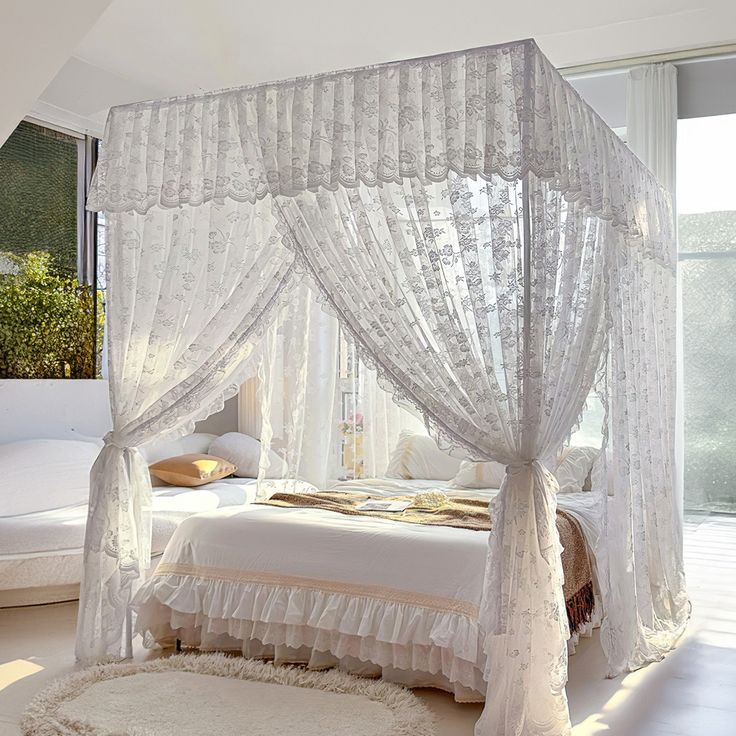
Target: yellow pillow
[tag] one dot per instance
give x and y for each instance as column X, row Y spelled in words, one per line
column 191, row 470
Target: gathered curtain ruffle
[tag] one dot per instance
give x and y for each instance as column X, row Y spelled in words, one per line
column 464, row 112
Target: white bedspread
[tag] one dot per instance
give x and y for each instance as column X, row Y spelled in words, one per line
column 402, row 596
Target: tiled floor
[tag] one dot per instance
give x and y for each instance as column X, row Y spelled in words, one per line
column 691, row 693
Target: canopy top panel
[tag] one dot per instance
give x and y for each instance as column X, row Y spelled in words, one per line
column 500, row 110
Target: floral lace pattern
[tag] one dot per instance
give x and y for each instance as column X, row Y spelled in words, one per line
column 646, row 582
column 430, row 281
column 188, row 292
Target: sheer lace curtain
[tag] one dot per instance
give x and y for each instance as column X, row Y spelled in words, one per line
column 438, row 292
column 651, row 133
column 645, row 396
column 188, row 291
column 648, row 607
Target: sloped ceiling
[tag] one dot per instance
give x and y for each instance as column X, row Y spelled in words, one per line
column 140, row 49
column 36, row 38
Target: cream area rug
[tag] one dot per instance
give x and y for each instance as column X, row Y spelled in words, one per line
column 195, row 694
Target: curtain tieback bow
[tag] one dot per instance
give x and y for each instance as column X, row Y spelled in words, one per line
column 112, row 439
column 519, row 465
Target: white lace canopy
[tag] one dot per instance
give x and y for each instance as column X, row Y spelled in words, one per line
column 501, row 110
column 488, row 242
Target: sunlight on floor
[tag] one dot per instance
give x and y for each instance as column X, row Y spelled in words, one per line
column 12, row 672
column 622, row 703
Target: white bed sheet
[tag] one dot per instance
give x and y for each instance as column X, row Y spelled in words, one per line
column 401, row 596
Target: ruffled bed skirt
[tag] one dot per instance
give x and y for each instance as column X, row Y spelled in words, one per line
column 413, row 645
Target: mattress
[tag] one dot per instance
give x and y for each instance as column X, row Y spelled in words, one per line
column 44, row 549
column 401, row 597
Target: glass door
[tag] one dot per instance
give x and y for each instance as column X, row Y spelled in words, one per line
column 706, row 204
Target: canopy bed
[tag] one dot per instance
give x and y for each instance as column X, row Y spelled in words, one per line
column 493, row 249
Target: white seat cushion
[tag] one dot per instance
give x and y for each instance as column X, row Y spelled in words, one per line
column 479, row 475
column 41, row 475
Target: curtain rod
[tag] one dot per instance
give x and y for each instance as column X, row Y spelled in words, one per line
column 702, row 53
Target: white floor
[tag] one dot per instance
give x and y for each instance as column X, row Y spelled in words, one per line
column 691, row 693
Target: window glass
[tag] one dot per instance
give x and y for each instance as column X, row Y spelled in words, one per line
column 706, row 205
column 38, row 196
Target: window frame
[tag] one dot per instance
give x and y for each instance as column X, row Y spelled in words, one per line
column 87, row 240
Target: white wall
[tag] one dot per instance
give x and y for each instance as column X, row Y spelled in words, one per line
column 65, row 409
column 59, row 409
column 223, row 421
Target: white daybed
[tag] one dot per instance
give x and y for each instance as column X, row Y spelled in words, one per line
column 41, row 551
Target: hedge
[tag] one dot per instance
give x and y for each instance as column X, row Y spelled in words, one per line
column 49, row 327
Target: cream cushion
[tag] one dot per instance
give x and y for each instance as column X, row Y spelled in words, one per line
column 191, row 470
column 244, row 452
column 479, row 475
column 573, row 471
column 418, row 456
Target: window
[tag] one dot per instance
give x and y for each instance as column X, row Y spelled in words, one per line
column 50, row 312
column 706, row 203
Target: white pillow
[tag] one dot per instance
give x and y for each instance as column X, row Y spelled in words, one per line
column 573, row 468
column 244, row 452
column 479, row 475
column 417, row 456
column 41, row 475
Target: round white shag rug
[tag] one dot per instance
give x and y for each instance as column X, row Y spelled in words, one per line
column 195, row 694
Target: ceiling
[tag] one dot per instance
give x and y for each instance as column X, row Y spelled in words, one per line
column 140, row 49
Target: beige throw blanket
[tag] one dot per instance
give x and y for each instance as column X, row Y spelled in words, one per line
column 466, row 513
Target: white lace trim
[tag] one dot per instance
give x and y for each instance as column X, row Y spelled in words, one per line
column 387, row 633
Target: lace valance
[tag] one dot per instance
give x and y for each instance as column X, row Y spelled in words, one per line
column 500, row 110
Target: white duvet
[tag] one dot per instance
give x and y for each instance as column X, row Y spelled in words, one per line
column 402, row 596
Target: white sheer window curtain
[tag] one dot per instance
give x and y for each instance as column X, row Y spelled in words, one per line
column 651, row 119
column 383, row 421
column 651, row 125
column 293, row 399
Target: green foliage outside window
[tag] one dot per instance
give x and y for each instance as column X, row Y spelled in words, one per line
column 50, row 325
column 38, row 195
